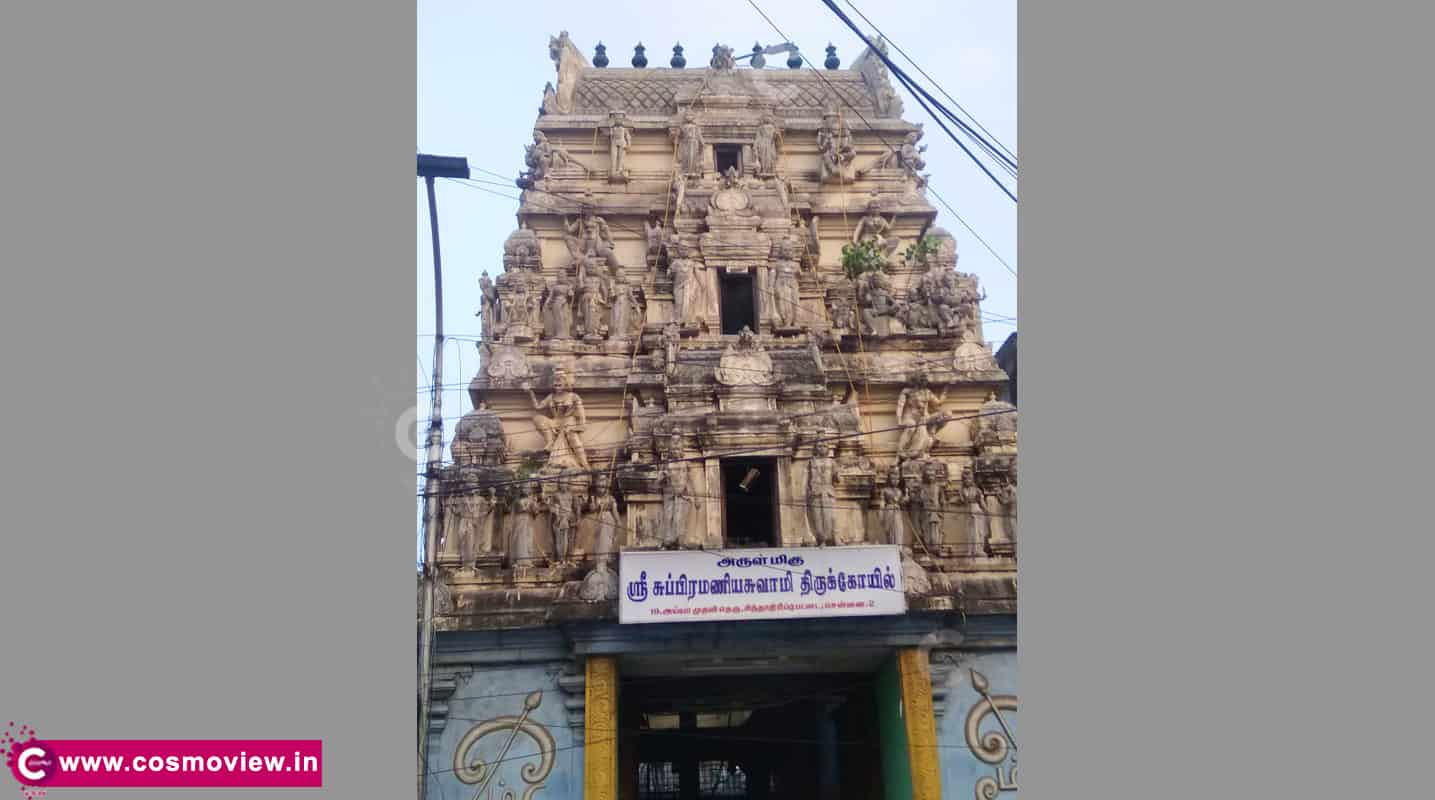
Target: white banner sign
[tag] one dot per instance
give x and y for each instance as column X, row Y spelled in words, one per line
column 771, row 583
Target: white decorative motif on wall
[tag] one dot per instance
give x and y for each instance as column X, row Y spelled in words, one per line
column 533, row 774
column 997, row 748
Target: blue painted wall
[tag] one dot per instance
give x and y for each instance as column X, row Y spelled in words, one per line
column 961, row 770
column 499, row 693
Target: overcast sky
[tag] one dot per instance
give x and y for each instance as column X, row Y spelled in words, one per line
column 481, row 71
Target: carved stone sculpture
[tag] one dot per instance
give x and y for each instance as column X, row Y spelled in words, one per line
column 931, row 502
column 619, row 139
column 722, row 57
column 521, row 251
column 907, row 156
column 569, row 62
column 1006, row 506
column 766, row 144
column 488, row 308
column 655, row 237
column 842, row 313
column 672, row 341
column 641, row 417
column 522, row 544
column 834, row 142
column 542, row 157
column 874, row 294
column 786, row 296
column 593, row 301
column 993, row 430
column 563, row 431
column 745, row 363
column 678, row 498
column 626, row 311
column 600, row 585
column 558, row 312
column 469, row 523
column 978, row 530
column 690, row 146
column 914, row 578
column 478, row 438
column 562, row 520
column 533, row 308
column 893, row 512
column 691, row 283
column 874, row 74
column 875, row 228
column 821, row 494
column 589, row 237
column 608, row 521
column 919, row 412
column 506, row 362
column 972, row 355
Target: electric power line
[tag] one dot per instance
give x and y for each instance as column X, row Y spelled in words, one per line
column 924, row 74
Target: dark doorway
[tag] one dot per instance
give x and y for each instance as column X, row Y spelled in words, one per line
column 738, row 303
column 751, row 737
column 749, row 487
column 727, row 156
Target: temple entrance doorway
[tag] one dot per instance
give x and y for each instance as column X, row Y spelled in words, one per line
column 750, row 737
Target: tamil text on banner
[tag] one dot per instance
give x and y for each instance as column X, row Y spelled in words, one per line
column 775, row 583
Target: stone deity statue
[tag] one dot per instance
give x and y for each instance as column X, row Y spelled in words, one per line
column 655, row 237
column 919, row 412
column 932, row 499
column 619, row 139
column 476, row 531
column 488, row 309
column 821, row 494
column 766, row 144
column 690, row 146
column 690, row 280
column 785, row 292
column 834, row 142
column 558, row 312
column 627, row 311
column 593, row 302
column 972, row 502
column 893, row 514
column 562, row 520
column 874, row 293
column 605, row 510
column 563, row 431
column 678, row 499
column 522, row 547
column 873, row 227
column 589, row 237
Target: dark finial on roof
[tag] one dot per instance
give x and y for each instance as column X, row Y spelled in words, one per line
column 639, row 60
column 678, row 61
column 832, row 61
column 757, row 62
column 600, row 56
column 794, row 61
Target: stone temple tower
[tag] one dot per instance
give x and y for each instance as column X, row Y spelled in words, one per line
column 726, row 321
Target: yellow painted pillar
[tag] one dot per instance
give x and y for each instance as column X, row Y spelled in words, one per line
column 600, row 728
column 921, row 724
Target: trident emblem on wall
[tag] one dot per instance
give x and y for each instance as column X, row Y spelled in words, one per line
column 482, row 773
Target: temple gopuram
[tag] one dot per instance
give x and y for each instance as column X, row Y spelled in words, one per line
column 734, row 512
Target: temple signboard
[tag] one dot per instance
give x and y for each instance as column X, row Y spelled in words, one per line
column 768, row 583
